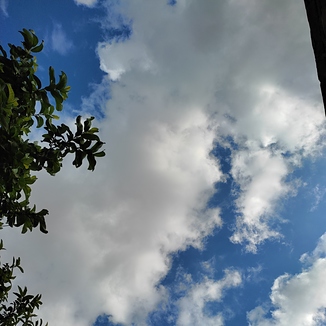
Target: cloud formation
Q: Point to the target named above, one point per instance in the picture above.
(253, 97)
(192, 306)
(59, 40)
(118, 226)
(191, 75)
(4, 7)
(287, 130)
(297, 299)
(87, 3)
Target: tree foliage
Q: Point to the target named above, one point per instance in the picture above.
(26, 104)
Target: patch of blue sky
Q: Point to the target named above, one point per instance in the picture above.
(172, 2)
(117, 27)
(104, 320)
(305, 211)
(120, 33)
(223, 154)
(258, 271)
(72, 24)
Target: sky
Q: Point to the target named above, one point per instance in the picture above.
(208, 208)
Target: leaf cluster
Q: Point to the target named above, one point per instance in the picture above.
(21, 310)
(26, 104)
(20, 91)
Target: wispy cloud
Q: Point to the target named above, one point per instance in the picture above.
(297, 299)
(192, 306)
(4, 7)
(87, 3)
(318, 193)
(59, 40)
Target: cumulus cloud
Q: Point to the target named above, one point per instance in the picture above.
(191, 307)
(191, 75)
(288, 130)
(124, 57)
(117, 227)
(297, 299)
(208, 62)
(59, 40)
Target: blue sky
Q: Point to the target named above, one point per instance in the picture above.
(208, 208)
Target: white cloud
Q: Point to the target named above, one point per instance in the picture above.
(122, 57)
(318, 252)
(191, 307)
(111, 232)
(254, 274)
(87, 3)
(274, 137)
(260, 175)
(4, 7)
(209, 61)
(59, 40)
(191, 74)
(318, 192)
(297, 299)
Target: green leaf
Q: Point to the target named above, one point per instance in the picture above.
(99, 154)
(58, 100)
(11, 101)
(51, 74)
(62, 82)
(78, 161)
(28, 38)
(90, 136)
(40, 121)
(35, 38)
(4, 53)
(20, 268)
(38, 82)
(66, 89)
(45, 103)
(79, 126)
(63, 128)
(38, 48)
(91, 161)
(96, 147)
(93, 130)
(88, 123)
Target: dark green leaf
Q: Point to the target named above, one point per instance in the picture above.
(4, 53)
(51, 74)
(79, 126)
(97, 146)
(88, 123)
(40, 121)
(58, 100)
(35, 38)
(38, 48)
(78, 161)
(93, 130)
(99, 154)
(91, 162)
(62, 82)
(28, 38)
(90, 136)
